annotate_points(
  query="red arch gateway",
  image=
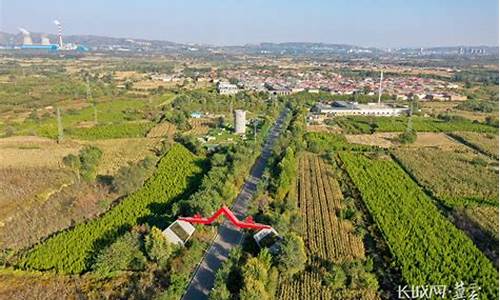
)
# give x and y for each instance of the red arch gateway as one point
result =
(248, 223)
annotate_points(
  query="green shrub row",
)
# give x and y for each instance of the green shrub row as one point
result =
(73, 251)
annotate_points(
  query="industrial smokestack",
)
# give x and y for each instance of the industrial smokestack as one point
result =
(26, 37)
(59, 32)
(45, 40)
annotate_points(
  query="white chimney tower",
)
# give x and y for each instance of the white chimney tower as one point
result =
(380, 87)
(59, 33)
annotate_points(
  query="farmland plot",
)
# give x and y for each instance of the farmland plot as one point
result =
(456, 177)
(424, 243)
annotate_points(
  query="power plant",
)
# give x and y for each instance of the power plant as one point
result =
(240, 121)
(45, 43)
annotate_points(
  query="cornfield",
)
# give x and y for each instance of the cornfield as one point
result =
(325, 235)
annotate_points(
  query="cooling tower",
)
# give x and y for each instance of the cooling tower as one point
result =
(26, 37)
(45, 40)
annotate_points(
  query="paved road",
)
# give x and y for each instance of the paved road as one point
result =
(228, 236)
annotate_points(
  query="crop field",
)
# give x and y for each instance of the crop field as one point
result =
(164, 129)
(326, 142)
(110, 113)
(390, 140)
(320, 200)
(73, 251)
(307, 284)
(358, 124)
(112, 131)
(424, 243)
(382, 139)
(328, 238)
(486, 217)
(486, 143)
(456, 177)
(435, 108)
(200, 126)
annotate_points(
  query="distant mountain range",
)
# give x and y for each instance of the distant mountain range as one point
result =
(101, 43)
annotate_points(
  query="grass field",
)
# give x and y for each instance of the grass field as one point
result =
(66, 206)
(25, 187)
(457, 177)
(119, 152)
(34, 152)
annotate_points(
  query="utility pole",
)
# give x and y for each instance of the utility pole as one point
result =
(60, 132)
(255, 130)
(89, 99)
(409, 124)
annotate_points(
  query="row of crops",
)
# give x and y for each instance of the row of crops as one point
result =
(73, 251)
(363, 124)
(111, 131)
(325, 235)
(330, 239)
(429, 249)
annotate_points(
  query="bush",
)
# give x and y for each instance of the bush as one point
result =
(123, 255)
(85, 164)
(89, 158)
(157, 247)
(408, 137)
(130, 178)
(291, 257)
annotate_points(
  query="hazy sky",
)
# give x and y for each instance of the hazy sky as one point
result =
(380, 23)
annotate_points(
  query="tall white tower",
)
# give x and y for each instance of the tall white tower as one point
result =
(380, 87)
(240, 121)
(59, 33)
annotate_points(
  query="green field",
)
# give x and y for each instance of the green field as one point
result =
(427, 247)
(456, 177)
(362, 124)
(73, 251)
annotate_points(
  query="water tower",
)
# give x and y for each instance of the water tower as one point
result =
(240, 121)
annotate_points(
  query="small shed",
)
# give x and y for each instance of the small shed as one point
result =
(268, 238)
(179, 232)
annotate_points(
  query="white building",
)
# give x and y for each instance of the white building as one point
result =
(179, 232)
(342, 108)
(226, 88)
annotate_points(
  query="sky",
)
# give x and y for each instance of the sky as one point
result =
(370, 23)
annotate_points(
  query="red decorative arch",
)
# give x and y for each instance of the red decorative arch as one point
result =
(248, 223)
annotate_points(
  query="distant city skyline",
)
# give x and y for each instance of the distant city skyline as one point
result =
(369, 23)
